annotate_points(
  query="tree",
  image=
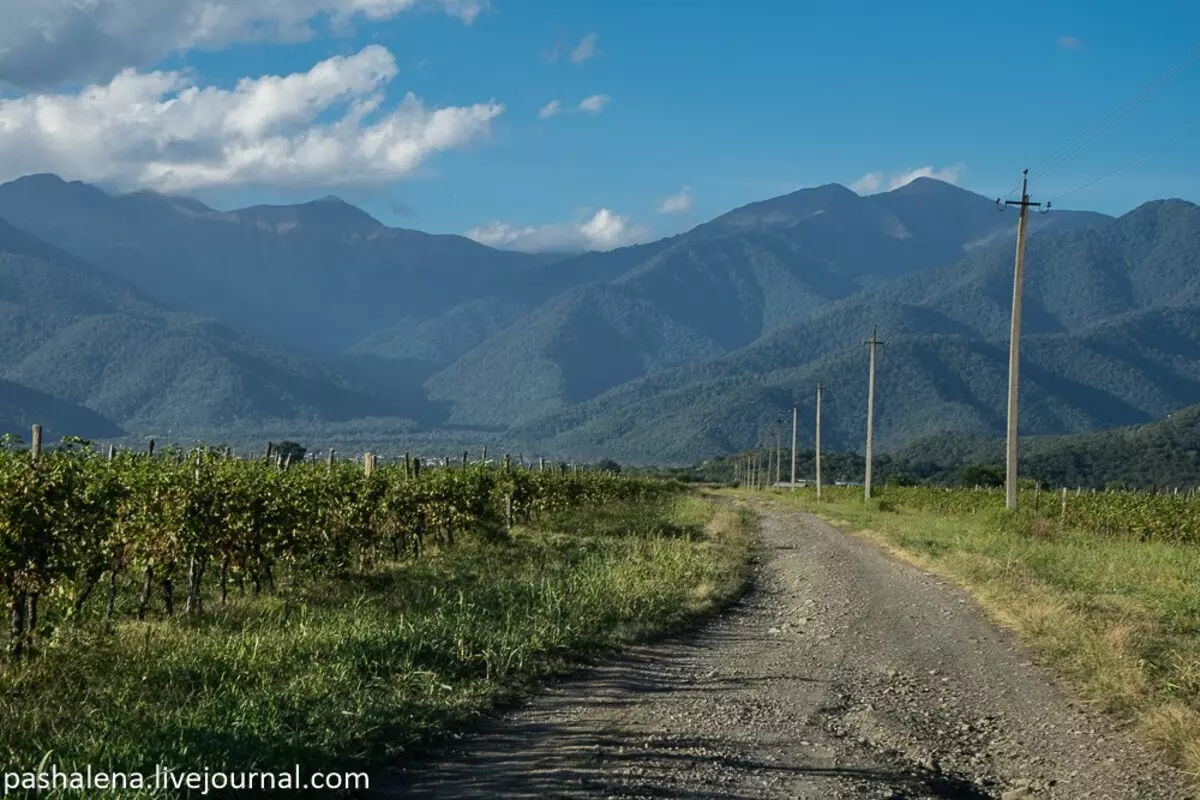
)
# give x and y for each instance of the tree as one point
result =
(296, 451)
(982, 475)
(608, 465)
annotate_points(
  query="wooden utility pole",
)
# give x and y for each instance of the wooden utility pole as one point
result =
(873, 342)
(778, 450)
(795, 419)
(818, 441)
(1014, 344)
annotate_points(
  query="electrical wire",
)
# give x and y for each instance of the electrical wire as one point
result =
(1144, 154)
(1120, 111)
(1117, 114)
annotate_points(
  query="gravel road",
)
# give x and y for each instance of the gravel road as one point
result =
(844, 673)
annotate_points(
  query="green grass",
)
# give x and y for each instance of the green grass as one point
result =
(1116, 617)
(373, 668)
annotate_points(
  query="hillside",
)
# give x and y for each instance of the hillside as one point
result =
(1161, 454)
(75, 333)
(1109, 317)
(201, 321)
(721, 287)
(319, 275)
(21, 407)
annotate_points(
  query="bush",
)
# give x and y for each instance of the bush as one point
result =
(884, 504)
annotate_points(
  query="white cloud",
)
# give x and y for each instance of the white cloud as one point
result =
(677, 203)
(594, 104)
(46, 42)
(589, 105)
(948, 174)
(604, 230)
(1070, 43)
(158, 130)
(867, 183)
(585, 49)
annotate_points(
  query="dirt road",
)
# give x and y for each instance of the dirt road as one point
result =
(844, 673)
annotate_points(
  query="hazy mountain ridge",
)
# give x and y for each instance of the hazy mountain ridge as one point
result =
(78, 334)
(319, 275)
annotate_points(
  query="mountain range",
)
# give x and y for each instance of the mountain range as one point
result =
(143, 312)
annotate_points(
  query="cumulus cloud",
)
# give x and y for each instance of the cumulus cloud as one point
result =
(947, 174)
(585, 49)
(1070, 43)
(603, 230)
(867, 183)
(594, 104)
(553, 108)
(161, 131)
(677, 203)
(46, 42)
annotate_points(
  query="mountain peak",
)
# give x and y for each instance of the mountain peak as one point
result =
(791, 208)
(45, 184)
(329, 213)
(930, 187)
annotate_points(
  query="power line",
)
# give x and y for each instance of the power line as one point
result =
(1195, 123)
(1120, 111)
(1117, 114)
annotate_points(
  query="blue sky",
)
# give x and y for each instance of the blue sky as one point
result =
(734, 101)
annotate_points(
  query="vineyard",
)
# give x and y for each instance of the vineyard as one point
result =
(1165, 517)
(78, 529)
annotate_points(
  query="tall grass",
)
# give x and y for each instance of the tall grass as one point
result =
(1115, 615)
(366, 669)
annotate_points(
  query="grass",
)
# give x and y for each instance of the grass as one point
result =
(370, 669)
(1116, 617)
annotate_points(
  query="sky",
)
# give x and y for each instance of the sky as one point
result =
(534, 125)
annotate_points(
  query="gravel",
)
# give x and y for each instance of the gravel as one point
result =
(844, 673)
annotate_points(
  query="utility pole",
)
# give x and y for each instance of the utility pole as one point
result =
(778, 449)
(818, 441)
(874, 343)
(1014, 345)
(795, 416)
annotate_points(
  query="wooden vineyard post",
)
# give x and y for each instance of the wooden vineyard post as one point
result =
(507, 463)
(368, 464)
(150, 450)
(465, 456)
(270, 449)
(407, 466)
(1064, 508)
(541, 463)
(112, 451)
(332, 455)
(35, 448)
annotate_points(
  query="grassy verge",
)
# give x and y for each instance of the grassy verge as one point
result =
(1115, 616)
(369, 668)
